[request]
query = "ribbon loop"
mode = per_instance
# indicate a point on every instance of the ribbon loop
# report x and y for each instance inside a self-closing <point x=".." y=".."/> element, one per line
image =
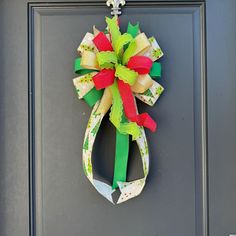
<point x="125" y="74"/>
<point x="105" y="102"/>
<point x="89" y="60"/>
<point x="102" y="43"/>
<point x="151" y="95"/>
<point x="154" y="52"/>
<point x="87" y="44"/>
<point x="106" y="60"/>
<point x="140" y="64"/>
<point x="121" y="42"/>
<point x="143" y="83"/>
<point x="128" y="189"/>
<point x="78" y="69"/>
<point x="143" y="44"/>
<point x="129" y="52"/>
<point x="113" y="29"/>
<point x="104" y="78"/>
<point x="84" y="84"/>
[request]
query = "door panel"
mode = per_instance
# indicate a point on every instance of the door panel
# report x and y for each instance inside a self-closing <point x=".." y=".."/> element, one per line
<point x="64" y="199"/>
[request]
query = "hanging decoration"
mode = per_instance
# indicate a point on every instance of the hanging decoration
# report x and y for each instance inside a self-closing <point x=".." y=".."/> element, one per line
<point x="113" y="70"/>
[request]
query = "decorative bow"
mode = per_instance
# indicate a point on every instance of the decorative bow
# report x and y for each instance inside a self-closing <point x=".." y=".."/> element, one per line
<point x="113" y="69"/>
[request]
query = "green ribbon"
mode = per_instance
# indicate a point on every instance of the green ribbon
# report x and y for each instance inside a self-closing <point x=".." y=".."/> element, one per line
<point x="114" y="30"/>
<point x="122" y="40"/>
<point x="155" y="70"/>
<point x="129" y="52"/>
<point x="123" y="129"/>
<point x="93" y="96"/>
<point x="78" y="69"/>
<point x="121" y="158"/>
<point x="106" y="59"/>
<point x="133" y="29"/>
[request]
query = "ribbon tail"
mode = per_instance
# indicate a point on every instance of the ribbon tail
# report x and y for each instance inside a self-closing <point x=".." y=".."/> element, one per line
<point x="121" y="159"/>
<point x="130" y="128"/>
<point x="133" y="29"/>
<point x="130" y="108"/>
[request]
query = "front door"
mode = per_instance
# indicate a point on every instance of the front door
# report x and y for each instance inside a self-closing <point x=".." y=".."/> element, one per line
<point x="191" y="185"/>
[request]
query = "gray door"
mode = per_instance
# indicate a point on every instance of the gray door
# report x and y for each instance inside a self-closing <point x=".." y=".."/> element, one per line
<point x="191" y="186"/>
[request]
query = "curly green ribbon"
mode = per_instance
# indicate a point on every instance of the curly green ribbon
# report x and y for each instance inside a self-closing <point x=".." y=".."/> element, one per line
<point x="114" y="30"/>
<point x="121" y="41"/>
<point x="125" y="74"/>
<point x="106" y="60"/>
<point x="129" y="52"/>
<point x="133" y="29"/>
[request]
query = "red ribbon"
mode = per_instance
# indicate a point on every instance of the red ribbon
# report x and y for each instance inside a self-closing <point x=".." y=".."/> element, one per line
<point x="104" y="78"/>
<point x="130" y="109"/>
<point x="102" y="43"/>
<point x="140" y="64"/>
